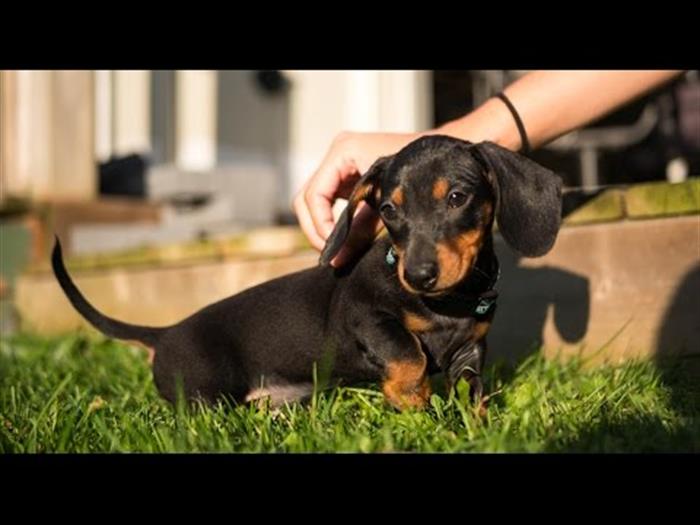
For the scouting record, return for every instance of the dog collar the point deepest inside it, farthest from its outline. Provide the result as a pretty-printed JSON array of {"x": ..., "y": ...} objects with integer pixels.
[{"x": 487, "y": 300}]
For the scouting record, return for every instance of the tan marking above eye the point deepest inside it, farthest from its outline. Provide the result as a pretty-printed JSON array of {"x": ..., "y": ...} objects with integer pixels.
[
  {"x": 440, "y": 188},
  {"x": 377, "y": 194},
  {"x": 397, "y": 196}
]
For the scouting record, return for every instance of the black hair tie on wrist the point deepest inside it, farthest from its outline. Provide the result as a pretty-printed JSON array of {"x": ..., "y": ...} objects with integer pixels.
[{"x": 525, "y": 147}]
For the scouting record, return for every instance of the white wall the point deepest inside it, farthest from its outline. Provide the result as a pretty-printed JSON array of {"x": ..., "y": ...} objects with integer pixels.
[
  {"x": 47, "y": 135},
  {"x": 132, "y": 112},
  {"x": 104, "y": 94},
  {"x": 195, "y": 115},
  {"x": 324, "y": 103},
  {"x": 32, "y": 173}
]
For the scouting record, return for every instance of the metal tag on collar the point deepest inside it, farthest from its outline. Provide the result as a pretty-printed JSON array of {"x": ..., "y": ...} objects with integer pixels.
[
  {"x": 486, "y": 302},
  {"x": 391, "y": 256}
]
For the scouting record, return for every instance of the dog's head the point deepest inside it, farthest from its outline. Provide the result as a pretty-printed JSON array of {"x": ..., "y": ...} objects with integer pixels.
[{"x": 438, "y": 198}]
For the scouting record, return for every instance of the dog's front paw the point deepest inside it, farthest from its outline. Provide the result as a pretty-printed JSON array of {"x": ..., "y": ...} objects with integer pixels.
[
  {"x": 406, "y": 397},
  {"x": 406, "y": 384}
]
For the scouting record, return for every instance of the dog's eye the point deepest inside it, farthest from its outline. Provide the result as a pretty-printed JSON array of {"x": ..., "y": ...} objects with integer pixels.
[
  {"x": 456, "y": 199},
  {"x": 388, "y": 211}
]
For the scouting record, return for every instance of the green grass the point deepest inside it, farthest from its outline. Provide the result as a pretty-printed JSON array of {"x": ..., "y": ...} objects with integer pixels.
[{"x": 82, "y": 393}]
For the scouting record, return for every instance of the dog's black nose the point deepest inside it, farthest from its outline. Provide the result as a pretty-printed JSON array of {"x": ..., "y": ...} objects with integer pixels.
[{"x": 422, "y": 277}]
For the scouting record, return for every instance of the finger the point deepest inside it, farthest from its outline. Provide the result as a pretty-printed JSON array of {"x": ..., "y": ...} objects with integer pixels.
[
  {"x": 320, "y": 210},
  {"x": 327, "y": 186},
  {"x": 306, "y": 224}
]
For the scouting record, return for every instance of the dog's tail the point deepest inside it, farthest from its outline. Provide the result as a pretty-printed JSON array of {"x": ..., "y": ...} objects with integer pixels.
[{"x": 110, "y": 327}]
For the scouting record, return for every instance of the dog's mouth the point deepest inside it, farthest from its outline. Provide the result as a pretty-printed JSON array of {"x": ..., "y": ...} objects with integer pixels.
[{"x": 442, "y": 291}]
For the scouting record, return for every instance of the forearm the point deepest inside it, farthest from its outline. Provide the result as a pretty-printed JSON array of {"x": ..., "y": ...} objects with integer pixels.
[{"x": 552, "y": 103}]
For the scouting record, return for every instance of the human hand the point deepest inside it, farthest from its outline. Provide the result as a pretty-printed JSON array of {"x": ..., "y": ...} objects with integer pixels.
[{"x": 349, "y": 156}]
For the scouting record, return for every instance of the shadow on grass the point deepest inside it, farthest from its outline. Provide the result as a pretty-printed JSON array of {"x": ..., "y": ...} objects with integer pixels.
[
  {"x": 641, "y": 407},
  {"x": 641, "y": 431},
  {"x": 680, "y": 336},
  {"x": 640, "y": 434},
  {"x": 676, "y": 358}
]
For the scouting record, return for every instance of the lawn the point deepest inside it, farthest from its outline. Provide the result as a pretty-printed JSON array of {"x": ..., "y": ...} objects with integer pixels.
[{"x": 83, "y": 393}]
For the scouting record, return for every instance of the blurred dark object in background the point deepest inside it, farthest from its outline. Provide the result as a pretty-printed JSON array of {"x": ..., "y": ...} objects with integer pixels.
[
  {"x": 125, "y": 176},
  {"x": 189, "y": 200},
  {"x": 672, "y": 150},
  {"x": 688, "y": 96},
  {"x": 452, "y": 95},
  {"x": 271, "y": 82}
]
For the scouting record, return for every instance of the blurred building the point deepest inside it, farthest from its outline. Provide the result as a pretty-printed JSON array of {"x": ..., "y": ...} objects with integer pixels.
[{"x": 242, "y": 142}]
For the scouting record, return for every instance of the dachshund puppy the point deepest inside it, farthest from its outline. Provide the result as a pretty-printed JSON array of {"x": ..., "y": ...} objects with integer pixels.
[{"x": 419, "y": 301}]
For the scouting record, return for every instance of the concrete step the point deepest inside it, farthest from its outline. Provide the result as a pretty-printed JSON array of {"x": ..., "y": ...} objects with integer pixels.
[
  {"x": 613, "y": 291},
  {"x": 152, "y": 295}
]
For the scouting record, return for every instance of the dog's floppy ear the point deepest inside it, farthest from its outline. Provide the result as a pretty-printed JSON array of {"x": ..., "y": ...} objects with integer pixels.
[
  {"x": 367, "y": 189},
  {"x": 528, "y": 198}
]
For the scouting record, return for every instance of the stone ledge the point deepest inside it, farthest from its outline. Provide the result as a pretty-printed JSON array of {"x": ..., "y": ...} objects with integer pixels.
[
  {"x": 640, "y": 201},
  {"x": 258, "y": 244},
  {"x": 145, "y": 295},
  {"x": 662, "y": 199},
  {"x": 606, "y": 207},
  {"x": 608, "y": 291}
]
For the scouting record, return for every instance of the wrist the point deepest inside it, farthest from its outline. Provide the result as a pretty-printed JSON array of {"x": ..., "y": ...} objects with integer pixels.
[{"x": 492, "y": 121}]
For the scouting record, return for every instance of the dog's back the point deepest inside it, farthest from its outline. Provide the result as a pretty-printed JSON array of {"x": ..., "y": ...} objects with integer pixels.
[{"x": 271, "y": 334}]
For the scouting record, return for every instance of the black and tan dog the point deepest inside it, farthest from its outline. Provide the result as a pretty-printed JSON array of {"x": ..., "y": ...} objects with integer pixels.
[{"x": 420, "y": 300}]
